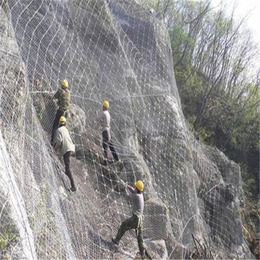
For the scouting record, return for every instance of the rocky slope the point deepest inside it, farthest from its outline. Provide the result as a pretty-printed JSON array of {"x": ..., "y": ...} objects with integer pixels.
[{"x": 113, "y": 50}]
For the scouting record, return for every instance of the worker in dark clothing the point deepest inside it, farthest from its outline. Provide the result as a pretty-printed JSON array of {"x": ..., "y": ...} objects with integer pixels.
[
  {"x": 104, "y": 119},
  {"x": 134, "y": 222},
  {"x": 63, "y": 97},
  {"x": 64, "y": 146}
]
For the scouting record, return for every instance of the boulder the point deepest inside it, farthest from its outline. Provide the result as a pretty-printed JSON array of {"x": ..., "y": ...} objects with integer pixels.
[{"x": 157, "y": 249}]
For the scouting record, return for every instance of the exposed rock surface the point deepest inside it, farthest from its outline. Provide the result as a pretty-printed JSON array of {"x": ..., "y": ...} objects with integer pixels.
[{"x": 113, "y": 50}]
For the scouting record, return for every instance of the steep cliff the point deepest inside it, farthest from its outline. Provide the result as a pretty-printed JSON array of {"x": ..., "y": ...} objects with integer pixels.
[{"x": 114, "y": 50}]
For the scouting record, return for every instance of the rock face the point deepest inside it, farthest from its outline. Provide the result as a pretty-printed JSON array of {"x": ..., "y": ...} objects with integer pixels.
[{"x": 114, "y": 50}]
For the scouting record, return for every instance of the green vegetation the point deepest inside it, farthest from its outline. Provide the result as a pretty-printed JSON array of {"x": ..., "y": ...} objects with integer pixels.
[
  {"x": 8, "y": 239},
  {"x": 220, "y": 94},
  {"x": 251, "y": 222}
]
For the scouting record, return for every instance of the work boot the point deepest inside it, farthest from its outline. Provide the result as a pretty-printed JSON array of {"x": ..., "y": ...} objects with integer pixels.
[
  {"x": 73, "y": 188},
  {"x": 114, "y": 241},
  {"x": 104, "y": 162}
]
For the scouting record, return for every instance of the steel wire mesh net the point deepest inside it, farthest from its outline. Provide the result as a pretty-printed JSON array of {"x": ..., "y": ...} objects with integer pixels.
[{"x": 114, "y": 50}]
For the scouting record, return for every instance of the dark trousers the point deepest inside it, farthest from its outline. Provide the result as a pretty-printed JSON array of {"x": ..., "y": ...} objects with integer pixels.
[
  {"x": 66, "y": 158},
  {"x": 57, "y": 122},
  {"x": 132, "y": 223},
  {"x": 107, "y": 143}
]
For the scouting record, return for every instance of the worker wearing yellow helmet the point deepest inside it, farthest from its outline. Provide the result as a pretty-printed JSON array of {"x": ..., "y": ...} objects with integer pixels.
[
  {"x": 63, "y": 101},
  {"x": 63, "y": 144},
  {"x": 104, "y": 119},
  {"x": 134, "y": 222}
]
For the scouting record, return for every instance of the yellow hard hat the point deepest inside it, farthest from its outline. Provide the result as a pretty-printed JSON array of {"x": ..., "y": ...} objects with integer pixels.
[
  {"x": 106, "y": 104},
  {"x": 139, "y": 185},
  {"x": 65, "y": 83},
  {"x": 62, "y": 120}
]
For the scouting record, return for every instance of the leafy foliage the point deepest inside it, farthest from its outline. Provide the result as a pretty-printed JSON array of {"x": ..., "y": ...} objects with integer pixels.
[{"x": 220, "y": 94}]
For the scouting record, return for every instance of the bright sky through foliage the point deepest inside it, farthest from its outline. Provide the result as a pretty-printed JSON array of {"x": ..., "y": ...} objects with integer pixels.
[{"x": 250, "y": 8}]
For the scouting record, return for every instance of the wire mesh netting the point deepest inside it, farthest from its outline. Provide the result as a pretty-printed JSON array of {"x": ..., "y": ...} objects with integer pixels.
[{"x": 119, "y": 51}]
